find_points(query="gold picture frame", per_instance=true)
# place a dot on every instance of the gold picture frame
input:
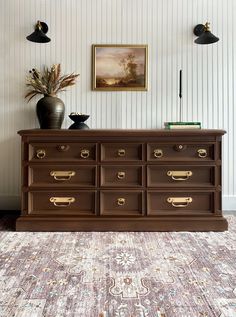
(119, 67)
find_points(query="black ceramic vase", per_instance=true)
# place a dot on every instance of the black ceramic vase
(50, 112)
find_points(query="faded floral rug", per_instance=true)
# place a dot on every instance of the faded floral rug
(115, 274)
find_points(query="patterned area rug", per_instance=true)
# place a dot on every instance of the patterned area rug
(118, 274)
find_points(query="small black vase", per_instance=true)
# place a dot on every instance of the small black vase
(50, 112)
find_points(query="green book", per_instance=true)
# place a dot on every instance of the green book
(183, 125)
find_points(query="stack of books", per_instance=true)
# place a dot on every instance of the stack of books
(182, 125)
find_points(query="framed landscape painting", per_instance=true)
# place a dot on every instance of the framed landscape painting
(119, 67)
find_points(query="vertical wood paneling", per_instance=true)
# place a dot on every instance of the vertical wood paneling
(166, 26)
(232, 84)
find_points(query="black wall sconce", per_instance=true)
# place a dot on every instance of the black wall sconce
(204, 33)
(39, 34)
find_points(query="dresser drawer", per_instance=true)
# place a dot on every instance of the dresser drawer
(62, 152)
(123, 202)
(121, 152)
(180, 152)
(174, 202)
(42, 175)
(62, 202)
(121, 176)
(179, 176)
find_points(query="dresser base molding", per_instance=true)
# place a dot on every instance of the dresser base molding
(216, 223)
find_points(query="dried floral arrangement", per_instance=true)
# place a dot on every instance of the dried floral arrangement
(48, 82)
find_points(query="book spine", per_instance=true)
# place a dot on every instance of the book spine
(183, 127)
(182, 123)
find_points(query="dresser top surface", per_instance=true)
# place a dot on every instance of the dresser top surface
(122, 132)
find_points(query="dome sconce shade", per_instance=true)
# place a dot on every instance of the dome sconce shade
(39, 34)
(204, 34)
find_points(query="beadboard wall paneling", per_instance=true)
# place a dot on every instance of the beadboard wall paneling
(166, 26)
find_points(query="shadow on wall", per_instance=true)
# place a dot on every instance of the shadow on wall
(10, 164)
(20, 118)
(10, 154)
(10, 173)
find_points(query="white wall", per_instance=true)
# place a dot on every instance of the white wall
(209, 92)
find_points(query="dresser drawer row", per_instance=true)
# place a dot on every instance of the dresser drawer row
(120, 152)
(121, 175)
(120, 202)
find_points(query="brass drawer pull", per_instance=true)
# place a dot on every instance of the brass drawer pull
(121, 152)
(121, 175)
(120, 201)
(158, 153)
(84, 154)
(202, 153)
(40, 154)
(62, 175)
(179, 202)
(180, 175)
(62, 201)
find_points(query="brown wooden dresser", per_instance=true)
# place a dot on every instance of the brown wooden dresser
(121, 180)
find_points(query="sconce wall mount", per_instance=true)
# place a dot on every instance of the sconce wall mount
(204, 34)
(39, 34)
